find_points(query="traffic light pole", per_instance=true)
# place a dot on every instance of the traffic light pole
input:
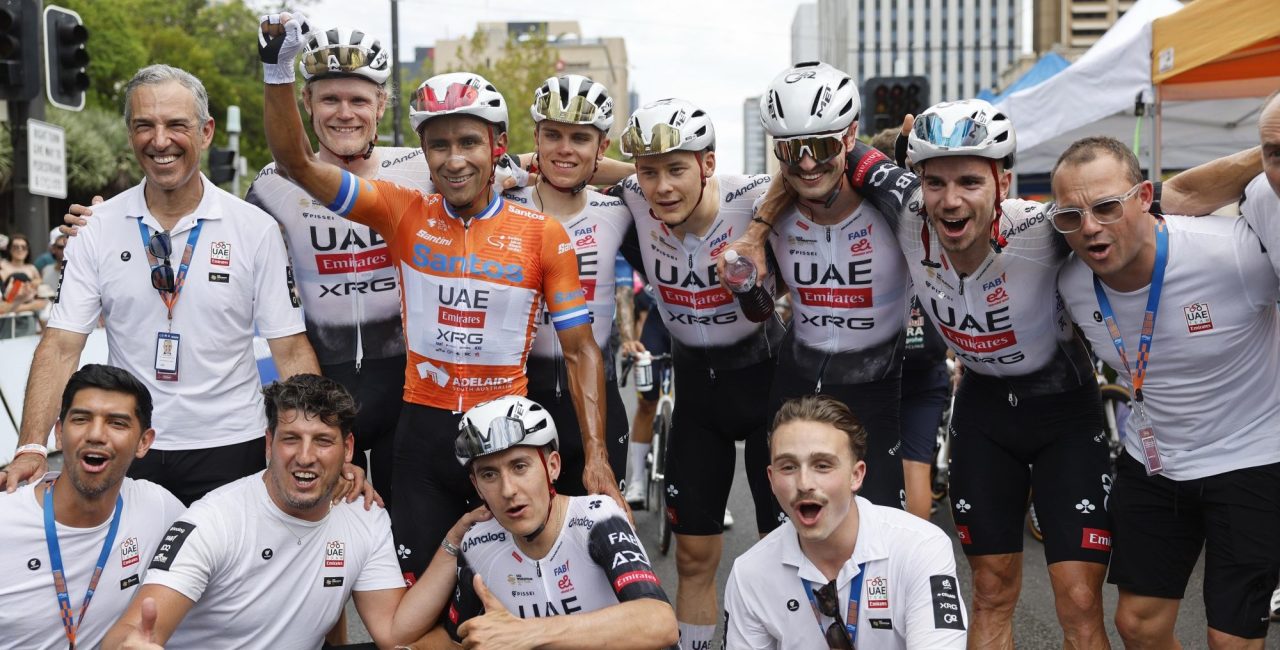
(30, 212)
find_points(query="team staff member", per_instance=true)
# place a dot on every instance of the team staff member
(267, 561)
(1027, 411)
(182, 272)
(572, 115)
(848, 279)
(96, 519)
(851, 573)
(1185, 310)
(685, 215)
(473, 268)
(544, 569)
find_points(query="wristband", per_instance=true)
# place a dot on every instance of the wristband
(449, 547)
(33, 448)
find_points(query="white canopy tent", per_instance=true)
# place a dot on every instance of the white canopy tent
(1097, 95)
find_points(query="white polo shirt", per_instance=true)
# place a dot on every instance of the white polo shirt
(239, 278)
(1212, 389)
(263, 579)
(910, 597)
(28, 601)
(1261, 209)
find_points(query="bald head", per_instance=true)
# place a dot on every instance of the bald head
(1269, 132)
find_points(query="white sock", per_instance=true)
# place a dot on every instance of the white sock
(638, 450)
(696, 637)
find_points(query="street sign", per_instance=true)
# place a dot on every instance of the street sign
(46, 159)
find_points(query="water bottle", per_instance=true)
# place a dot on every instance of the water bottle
(740, 276)
(644, 372)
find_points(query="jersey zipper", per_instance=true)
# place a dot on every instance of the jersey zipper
(459, 366)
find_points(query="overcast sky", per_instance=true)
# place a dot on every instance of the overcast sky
(714, 53)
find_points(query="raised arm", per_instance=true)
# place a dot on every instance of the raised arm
(278, 45)
(1205, 188)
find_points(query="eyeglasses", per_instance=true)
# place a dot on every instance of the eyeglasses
(964, 133)
(455, 96)
(829, 606)
(336, 58)
(161, 248)
(17, 247)
(1104, 211)
(662, 138)
(822, 148)
(577, 111)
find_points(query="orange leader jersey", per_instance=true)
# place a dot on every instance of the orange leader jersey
(470, 291)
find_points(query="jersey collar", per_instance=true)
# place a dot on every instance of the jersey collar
(494, 207)
(869, 547)
(209, 208)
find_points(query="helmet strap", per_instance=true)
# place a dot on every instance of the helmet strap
(551, 500)
(998, 240)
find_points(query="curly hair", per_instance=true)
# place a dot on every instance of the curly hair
(313, 395)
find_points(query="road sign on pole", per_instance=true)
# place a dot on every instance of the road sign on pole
(46, 159)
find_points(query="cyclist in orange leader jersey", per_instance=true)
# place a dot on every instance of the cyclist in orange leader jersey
(474, 270)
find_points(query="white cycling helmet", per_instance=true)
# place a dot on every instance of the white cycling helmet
(573, 99)
(970, 127)
(667, 125)
(502, 423)
(458, 93)
(343, 52)
(809, 99)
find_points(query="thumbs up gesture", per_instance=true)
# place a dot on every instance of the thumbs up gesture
(498, 628)
(143, 636)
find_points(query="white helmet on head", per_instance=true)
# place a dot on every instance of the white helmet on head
(970, 127)
(458, 93)
(502, 423)
(667, 125)
(809, 99)
(573, 99)
(343, 52)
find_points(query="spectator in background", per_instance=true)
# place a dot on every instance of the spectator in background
(19, 281)
(51, 257)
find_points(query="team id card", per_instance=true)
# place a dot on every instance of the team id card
(1147, 439)
(167, 356)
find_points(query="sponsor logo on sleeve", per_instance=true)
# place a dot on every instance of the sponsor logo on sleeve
(632, 577)
(169, 546)
(946, 603)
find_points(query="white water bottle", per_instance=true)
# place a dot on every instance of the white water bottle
(644, 372)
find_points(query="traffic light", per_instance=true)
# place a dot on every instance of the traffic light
(892, 98)
(222, 165)
(19, 50)
(65, 58)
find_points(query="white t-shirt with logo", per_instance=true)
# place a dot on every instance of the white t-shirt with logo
(910, 596)
(239, 278)
(28, 601)
(1212, 389)
(264, 579)
(1261, 210)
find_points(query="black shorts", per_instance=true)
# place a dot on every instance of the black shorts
(1051, 446)
(192, 473)
(713, 410)
(1161, 525)
(432, 488)
(924, 398)
(876, 404)
(378, 388)
(655, 338)
(616, 435)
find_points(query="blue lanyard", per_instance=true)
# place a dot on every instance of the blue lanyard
(1138, 373)
(851, 614)
(69, 624)
(171, 300)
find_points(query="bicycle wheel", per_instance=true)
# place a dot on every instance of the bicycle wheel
(661, 431)
(1115, 410)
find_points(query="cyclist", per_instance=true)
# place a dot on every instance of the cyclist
(572, 116)
(534, 567)
(848, 279)
(685, 215)
(470, 298)
(1027, 412)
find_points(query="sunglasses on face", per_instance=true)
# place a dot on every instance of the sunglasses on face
(162, 276)
(1104, 211)
(829, 606)
(822, 148)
